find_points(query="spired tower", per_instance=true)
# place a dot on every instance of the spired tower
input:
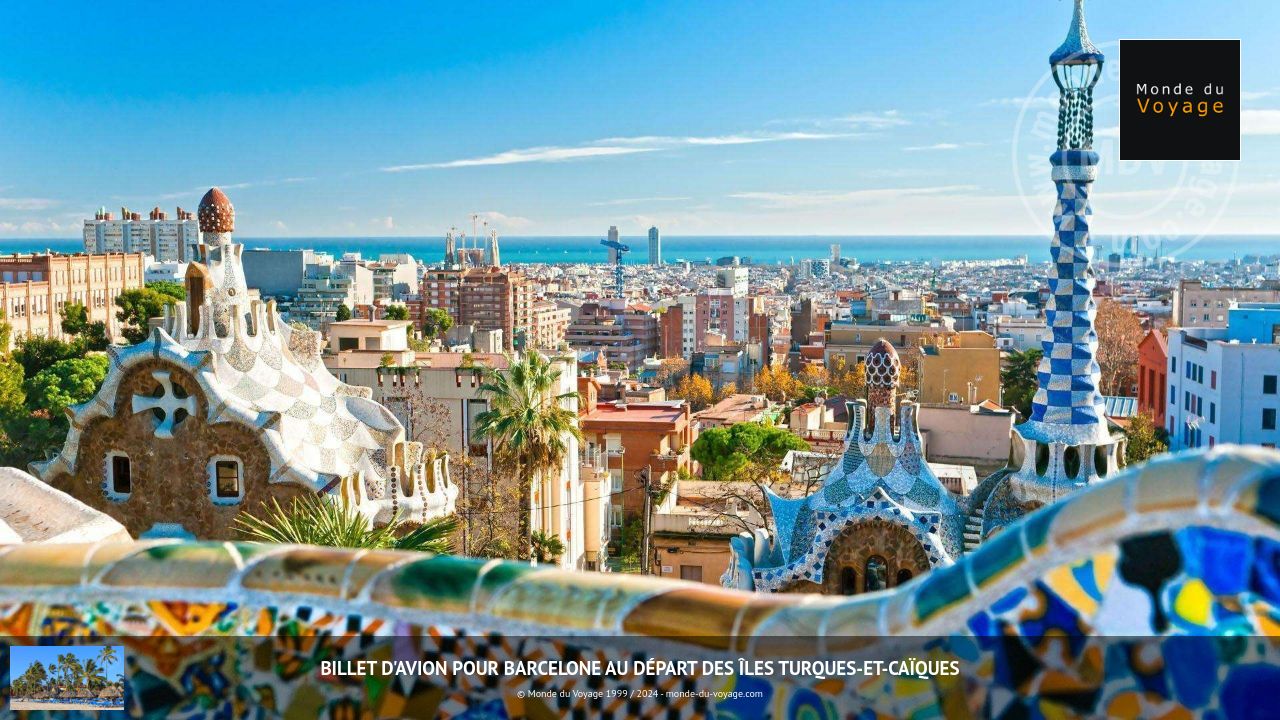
(1067, 442)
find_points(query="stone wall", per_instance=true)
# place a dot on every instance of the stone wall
(170, 477)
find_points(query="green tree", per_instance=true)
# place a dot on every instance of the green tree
(343, 314)
(75, 322)
(1145, 439)
(169, 288)
(92, 676)
(106, 655)
(1019, 380)
(66, 383)
(728, 453)
(435, 322)
(396, 312)
(316, 520)
(36, 353)
(529, 423)
(139, 305)
(546, 547)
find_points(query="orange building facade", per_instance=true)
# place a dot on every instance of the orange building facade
(34, 289)
(1153, 375)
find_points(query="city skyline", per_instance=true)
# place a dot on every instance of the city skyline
(807, 120)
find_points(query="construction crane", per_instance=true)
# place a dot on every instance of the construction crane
(618, 250)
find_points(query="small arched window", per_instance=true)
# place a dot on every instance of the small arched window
(904, 576)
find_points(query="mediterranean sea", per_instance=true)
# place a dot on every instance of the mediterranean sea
(769, 250)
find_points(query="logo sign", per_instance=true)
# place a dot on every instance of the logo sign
(1180, 100)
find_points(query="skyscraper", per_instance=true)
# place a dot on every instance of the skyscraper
(613, 238)
(655, 246)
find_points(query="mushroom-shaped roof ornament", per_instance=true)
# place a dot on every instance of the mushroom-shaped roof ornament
(883, 365)
(216, 213)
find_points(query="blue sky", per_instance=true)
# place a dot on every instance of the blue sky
(866, 117)
(22, 656)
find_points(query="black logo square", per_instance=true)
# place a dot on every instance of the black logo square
(1179, 99)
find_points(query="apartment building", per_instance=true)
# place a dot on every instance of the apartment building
(491, 298)
(1153, 375)
(34, 288)
(395, 277)
(1224, 383)
(437, 397)
(713, 318)
(1195, 305)
(164, 239)
(631, 437)
(852, 340)
(549, 325)
(963, 368)
(624, 334)
(323, 289)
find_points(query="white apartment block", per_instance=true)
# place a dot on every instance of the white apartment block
(1020, 333)
(1224, 383)
(734, 279)
(166, 240)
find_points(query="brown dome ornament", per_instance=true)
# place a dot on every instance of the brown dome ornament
(216, 213)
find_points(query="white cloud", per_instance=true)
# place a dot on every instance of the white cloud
(940, 146)
(279, 225)
(1107, 132)
(658, 142)
(35, 228)
(1260, 122)
(26, 203)
(1035, 101)
(789, 200)
(200, 191)
(505, 223)
(386, 223)
(526, 155)
(635, 201)
(1254, 94)
(606, 147)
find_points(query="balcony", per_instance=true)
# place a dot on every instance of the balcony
(594, 459)
(668, 461)
(614, 457)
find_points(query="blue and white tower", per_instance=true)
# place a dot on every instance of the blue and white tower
(1067, 440)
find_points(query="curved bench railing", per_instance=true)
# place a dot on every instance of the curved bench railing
(1183, 545)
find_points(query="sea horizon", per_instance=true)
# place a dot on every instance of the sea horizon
(757, 249)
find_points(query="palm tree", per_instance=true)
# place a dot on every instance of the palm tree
(92, 676)
(106, 655)
(36, 676)
(529, 423)
(75, 671)
(314, 520)
(546, 547)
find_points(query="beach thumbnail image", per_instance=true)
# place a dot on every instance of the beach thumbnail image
(51, 677)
